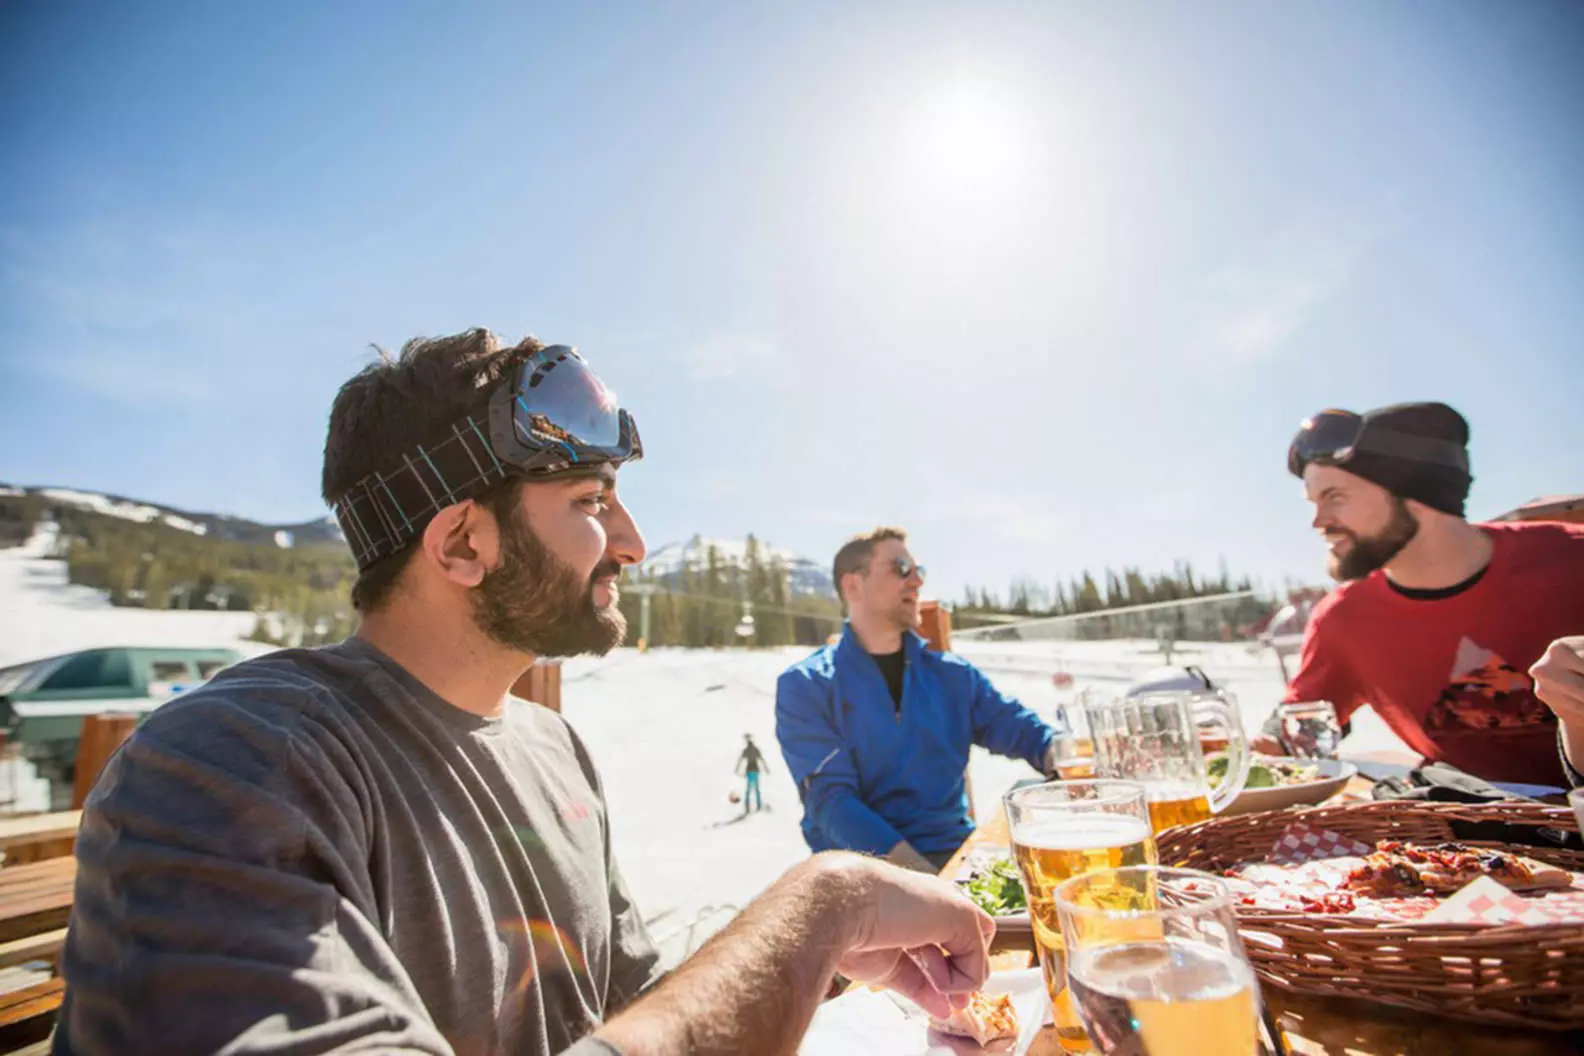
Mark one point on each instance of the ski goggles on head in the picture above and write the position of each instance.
(551, 417)
(1332, 438)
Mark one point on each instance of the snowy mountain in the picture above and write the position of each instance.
(803, 575)
(668, 561)
(215, 525)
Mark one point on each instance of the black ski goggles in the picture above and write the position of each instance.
(1332, 438)
(552, 417)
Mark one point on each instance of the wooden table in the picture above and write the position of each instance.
(35, 902)
(1314, 1026)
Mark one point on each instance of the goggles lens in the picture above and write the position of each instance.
(560, 401)
(1328, 437)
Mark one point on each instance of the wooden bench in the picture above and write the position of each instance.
(35, 903)
(35, 837)
(36, 898)
(28, 1015)
(45, 946)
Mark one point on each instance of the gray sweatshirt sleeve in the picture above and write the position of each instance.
(223, 899)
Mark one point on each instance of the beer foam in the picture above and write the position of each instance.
(1172, 791)
(1082, 832)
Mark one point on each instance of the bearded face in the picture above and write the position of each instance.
(1359, 555)
(534, 602)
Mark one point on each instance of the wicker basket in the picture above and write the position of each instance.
(1525, 975)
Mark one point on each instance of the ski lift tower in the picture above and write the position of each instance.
(645, 591)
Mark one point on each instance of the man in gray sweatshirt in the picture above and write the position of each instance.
(373, 847)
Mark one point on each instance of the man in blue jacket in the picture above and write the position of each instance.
(876, 729)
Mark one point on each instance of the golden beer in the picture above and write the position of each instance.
(1176, 997)
(1076, 761)
(1171, 804)
(1075, 768)
(1052, 850)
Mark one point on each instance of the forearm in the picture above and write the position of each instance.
(1006, 727)
(850, 822)
(754, 987)
(908, 857)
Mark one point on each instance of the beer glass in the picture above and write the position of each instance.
(1155, 964)
(1060, 830)
(1074, 758)
(1309, 729)
(1154, 739)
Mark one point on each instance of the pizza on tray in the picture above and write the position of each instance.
(984, 1019)
(1397, 879)
(1397, 868)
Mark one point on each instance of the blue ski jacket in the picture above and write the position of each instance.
(870, 776)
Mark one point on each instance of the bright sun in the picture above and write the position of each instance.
(967, 140)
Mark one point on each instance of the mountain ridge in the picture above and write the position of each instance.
(669, 561)
(223, 526)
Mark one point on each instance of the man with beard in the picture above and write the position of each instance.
(371, 847)
(876, 729)
(1437, 621)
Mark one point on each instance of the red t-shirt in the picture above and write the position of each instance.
(1450, 676)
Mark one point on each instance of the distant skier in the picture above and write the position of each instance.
(751, 764)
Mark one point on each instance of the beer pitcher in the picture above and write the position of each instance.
(1155, 739)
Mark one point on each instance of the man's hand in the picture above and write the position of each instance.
(1559, 683)
(1559, 679)
(916, 935)
(754, 987)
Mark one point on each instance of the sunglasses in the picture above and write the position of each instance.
(905, 567)
(1332, 438)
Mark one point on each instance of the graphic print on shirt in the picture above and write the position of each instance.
(1485, 692)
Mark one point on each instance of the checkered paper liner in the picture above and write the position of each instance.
(1486, 901)
(1481, 901)
(1300, 843)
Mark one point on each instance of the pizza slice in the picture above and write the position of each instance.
(1398, 869)
(984, 1019)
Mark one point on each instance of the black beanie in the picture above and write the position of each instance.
(1440, 487)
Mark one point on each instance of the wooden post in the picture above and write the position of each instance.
(101, 736)
(935, 625)
(541, 684)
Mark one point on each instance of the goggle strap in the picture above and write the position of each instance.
(381, 514)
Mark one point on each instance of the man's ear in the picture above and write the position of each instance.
(844, 589)
(462, 543)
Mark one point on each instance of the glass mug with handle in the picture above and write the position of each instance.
(1062, 829)
(1309, 729)
(1155, 963)
(1156, 739)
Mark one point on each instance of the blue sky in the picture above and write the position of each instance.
(1050, 284)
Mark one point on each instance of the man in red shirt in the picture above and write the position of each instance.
(1437, 620)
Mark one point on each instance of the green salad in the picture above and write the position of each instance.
(1264, 772)
(998, 889)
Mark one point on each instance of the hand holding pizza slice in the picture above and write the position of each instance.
(984, 1019)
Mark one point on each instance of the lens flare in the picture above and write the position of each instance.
(550, 950)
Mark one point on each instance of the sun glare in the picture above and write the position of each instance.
(969, 140)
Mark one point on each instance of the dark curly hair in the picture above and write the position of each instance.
(399, 402)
